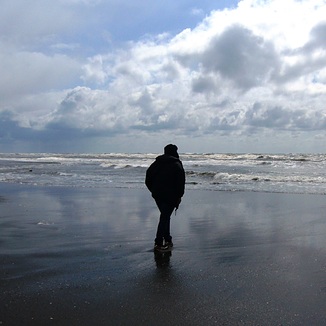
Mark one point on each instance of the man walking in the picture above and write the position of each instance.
(165, 179)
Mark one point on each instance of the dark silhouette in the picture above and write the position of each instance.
(165, 179)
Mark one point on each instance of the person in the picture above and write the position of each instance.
(165, 179)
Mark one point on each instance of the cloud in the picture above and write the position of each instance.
(34, 23)
(24, 72)
(317, 36)
(281, 118)
(241, 57)
(244, 70)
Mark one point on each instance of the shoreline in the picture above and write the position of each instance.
(84, 256)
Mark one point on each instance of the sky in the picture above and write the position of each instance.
(212, 76)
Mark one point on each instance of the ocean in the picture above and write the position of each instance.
(274, 173)
(77, 234)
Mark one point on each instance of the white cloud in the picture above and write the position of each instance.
(93, 71)
(197, 12)
(27, 24)
(242, 71)
(32, 72)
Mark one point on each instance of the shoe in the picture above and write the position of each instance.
(169, 244)
(161, 248)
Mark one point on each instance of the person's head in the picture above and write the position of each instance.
(171, 150)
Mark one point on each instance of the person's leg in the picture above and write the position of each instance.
(163, 228)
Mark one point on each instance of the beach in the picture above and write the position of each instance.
(84, 256)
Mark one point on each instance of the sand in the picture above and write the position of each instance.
(84, 257)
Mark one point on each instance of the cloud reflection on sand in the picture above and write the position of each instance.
(237, 256)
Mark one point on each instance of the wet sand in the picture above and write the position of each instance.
(84, 257)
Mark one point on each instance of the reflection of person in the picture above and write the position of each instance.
(162, 259)
(165, 179)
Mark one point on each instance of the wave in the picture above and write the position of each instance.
(225, 172)
(145, 159)
(123, 166)
(225, 177)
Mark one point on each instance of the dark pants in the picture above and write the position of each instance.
(163, 228)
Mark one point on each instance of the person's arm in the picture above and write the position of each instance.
(149, 178)
(181, 180)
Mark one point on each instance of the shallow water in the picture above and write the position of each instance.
(239, 257)
(36, 221)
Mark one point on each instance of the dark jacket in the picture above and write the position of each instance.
(165, 179)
